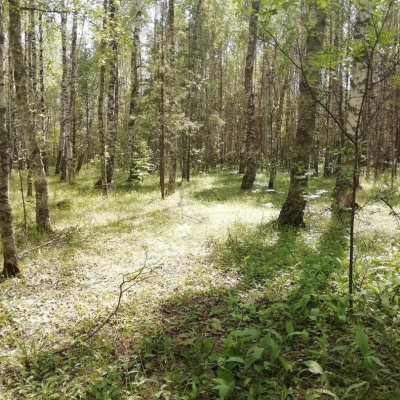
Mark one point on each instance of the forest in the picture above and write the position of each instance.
(199, 199)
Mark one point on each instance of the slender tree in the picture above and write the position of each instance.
(25, 117)
(61, 164)
(70, 111)
(135, 63)
(251, 162)
(10, 267)
(100, 107)
(112, 88)
(172, 103)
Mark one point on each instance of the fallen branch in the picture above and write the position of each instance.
(59, 238)
(127, 279)
(392, 212)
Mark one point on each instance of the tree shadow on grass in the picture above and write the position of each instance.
(198, 343)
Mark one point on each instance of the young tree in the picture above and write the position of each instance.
(10, 267)
(251, 162)
(25, 117)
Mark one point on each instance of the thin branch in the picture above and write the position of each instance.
(131, 281)
(45, 11)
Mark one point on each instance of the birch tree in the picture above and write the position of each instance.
(112, 88)
(135, 63)
(359, 85)
(25, 117)
(292, 212)
(61, 163)
(251, 162)
(69, 115)
(10, 267)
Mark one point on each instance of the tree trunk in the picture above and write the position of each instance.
(33, 150)
(135, 61)
(171, 83)
(42, 106)
(251, 162)
(10, 267)
(100, 109)
(356, 102)
(61, 164)
(112, 85)
(70, 106)
(292, 212)
(161, 73)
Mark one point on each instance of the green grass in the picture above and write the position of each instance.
(233, 309)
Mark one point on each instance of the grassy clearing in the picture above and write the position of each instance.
(233, 309)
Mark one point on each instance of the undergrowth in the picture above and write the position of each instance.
(283, 330)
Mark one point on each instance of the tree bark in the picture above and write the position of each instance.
(42, 105)
(251, 161)
(70, 106)
(342, 198)
(112, 85)
(61, 164)
(292, 212)
(100, 109)
(135, 61)
(171, 83)
(33, 150)
(10, 267)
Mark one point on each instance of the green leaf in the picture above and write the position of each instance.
(274, 352)
(352, 387)
(287, 365)
(257, 353)
(314, 367)
(229, 342)
(328, 392)
(314, 314)
(236, 359)
(227, 378)
(376, 360)
(289, 327)
(247, 332)
(362, 341)
(207, 344)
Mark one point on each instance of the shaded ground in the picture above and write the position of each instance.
(206, 244)
(76, 276)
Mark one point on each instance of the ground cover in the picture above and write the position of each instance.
(230, 307)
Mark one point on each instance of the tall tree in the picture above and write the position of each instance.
(10, 267)
(359, 86)
(172, 102)
(25, 117)
(292, 212)
(70, 111)
(112, 88)
(251, 162)
(61, 163)
(100, 106)
(135, 63)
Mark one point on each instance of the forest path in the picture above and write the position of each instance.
(73, 283)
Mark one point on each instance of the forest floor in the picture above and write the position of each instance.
(211, 263)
